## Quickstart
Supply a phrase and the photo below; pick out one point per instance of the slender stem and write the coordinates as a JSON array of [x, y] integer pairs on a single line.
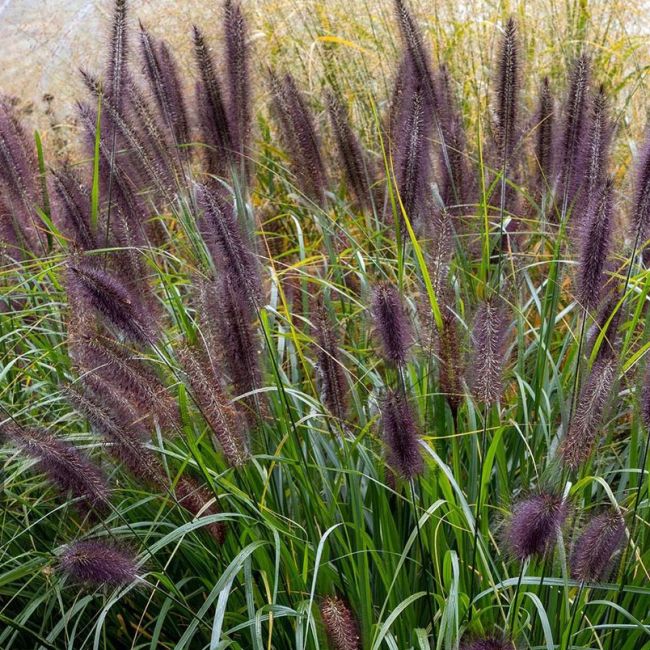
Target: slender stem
[[574, 611], [477, 517], [512, 612], [422, 553]]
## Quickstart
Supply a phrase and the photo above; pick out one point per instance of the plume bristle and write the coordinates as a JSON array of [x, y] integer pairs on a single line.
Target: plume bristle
[[401, 436], [391, 323], [97, 563], [340, 625]]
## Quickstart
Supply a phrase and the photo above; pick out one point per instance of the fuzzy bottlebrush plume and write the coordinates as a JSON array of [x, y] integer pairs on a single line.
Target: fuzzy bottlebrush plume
[[330, 371], [593, 551], [641, 203], [72, 208], [507, 95], [161, 72], [596, 239], [401, 436], [197, 500], [584, 427], [122, 378], [534, 523], [299, 134], [596, 148], [450, 367], [607, 321], [456, 182], [489, 340], [124, 442], [116, 70], [98, 290], [576, 119], [340, 625], [153, 165], [215, 406], [226, 241], [65, 466], [215, 125], [419, 57], [391, 323], [439, 251], [487, 643], [544, 137], [98, 564], [19, 185], [351, 153], [238, 73], [412, 152]]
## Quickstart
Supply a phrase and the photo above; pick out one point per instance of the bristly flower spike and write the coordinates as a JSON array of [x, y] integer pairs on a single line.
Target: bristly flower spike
[[340, 625], [507, 95], [534, 523], [401, 436], [594, 549], [391, 323], [97, 563], [489, 340]]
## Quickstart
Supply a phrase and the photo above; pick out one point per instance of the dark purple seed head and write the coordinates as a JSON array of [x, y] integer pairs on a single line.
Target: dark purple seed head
[[641, 205], [97, 563], [391, 323], [401, 436], [487, 643], [594, 549], [340, 625], [534, 523], [488, 355], [507, 93]]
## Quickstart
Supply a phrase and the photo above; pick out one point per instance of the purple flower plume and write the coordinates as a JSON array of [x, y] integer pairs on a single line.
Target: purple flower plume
[[596, 240], [641, 204], [98, 564], [215, 125], [65, 466], [584, 428], [401, 436], [351, 153], [391, 323], [487, 643], [507, 94], [488, 355], [330, 371], [545, 124], [238, 73], [534, 524], [104, 293], [299, 134], [117, 67], [593, 551]]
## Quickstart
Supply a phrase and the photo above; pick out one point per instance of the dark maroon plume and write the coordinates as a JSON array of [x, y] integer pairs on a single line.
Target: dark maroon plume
[[401, 436], [105, 294], [116, 69], [641, 205], [487, 643], [352, 156], [238, 73], [576, 120], [98, 564], [593, 551], [226, 241], [215, 125], [18, 180], [595, 245], [391, 323], [507, 94], [330, 371], [340, 625], [163, 78], [534, 524], [544, 138], [584, 428], [72, 208], [299, 134], [488, 355], [65, 466]]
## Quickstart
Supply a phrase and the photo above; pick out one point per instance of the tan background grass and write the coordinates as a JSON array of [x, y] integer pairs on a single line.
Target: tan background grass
[[46, 41]]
